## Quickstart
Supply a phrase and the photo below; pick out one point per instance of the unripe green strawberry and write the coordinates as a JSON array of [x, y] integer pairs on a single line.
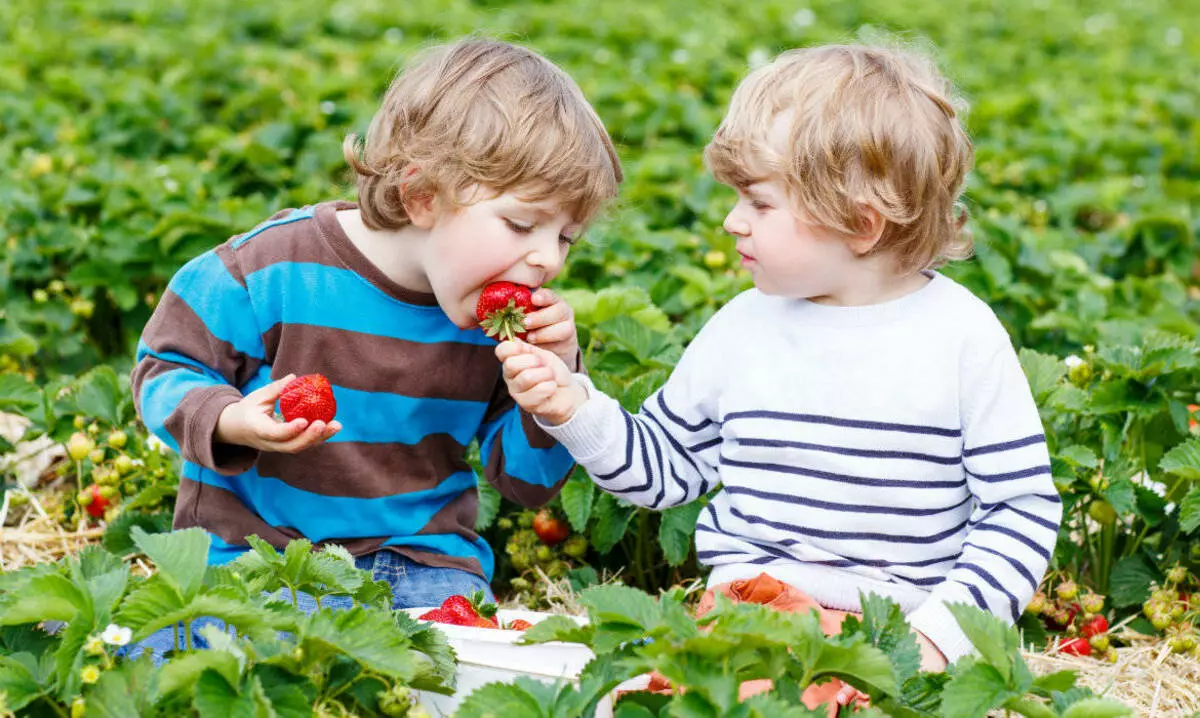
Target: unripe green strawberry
[[79, 446], [123, 464], [1066, 590], [576, 546], [96, 455], [1177, 574], [1092, 602], [1100, 642], [117, 439]]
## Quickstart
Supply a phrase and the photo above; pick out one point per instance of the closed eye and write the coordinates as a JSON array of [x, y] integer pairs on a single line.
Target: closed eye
[[519, 228]]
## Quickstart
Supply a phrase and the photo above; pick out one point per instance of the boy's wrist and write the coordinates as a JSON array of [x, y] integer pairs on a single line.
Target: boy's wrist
[[575, 395]]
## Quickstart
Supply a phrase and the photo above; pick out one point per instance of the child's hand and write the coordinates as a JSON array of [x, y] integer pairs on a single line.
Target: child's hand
[[540, 382], [251, 422], [553, 327]]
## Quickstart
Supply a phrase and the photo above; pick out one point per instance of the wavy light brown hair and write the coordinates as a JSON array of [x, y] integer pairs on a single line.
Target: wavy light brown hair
[[482, 112], [872, 126]]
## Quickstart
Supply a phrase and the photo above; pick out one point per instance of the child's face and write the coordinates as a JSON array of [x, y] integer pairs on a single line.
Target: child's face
[[502, 238], [786, 255]]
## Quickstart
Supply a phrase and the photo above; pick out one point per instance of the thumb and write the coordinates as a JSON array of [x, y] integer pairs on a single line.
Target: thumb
[[270, 393]]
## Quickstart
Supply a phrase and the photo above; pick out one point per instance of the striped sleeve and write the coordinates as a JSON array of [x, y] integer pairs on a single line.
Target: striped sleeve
[[521, 461], [201, 344], [665, 455], [1014, 526]]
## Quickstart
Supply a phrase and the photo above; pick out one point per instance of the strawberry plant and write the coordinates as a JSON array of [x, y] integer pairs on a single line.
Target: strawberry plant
[[274, 660]]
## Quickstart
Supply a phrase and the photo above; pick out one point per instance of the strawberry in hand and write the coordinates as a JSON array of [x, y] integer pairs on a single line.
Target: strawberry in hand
[[308, 397], [502, 308]]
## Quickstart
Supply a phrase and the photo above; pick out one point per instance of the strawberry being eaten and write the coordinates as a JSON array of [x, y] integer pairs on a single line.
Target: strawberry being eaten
[[309, 397], [502, 308]]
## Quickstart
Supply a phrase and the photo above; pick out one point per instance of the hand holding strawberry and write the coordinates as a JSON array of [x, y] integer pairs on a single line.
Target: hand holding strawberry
[[540, 382], [512, 311], [251, 422]]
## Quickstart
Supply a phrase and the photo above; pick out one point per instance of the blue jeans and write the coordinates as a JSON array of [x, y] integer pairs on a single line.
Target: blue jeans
[[413, 585]]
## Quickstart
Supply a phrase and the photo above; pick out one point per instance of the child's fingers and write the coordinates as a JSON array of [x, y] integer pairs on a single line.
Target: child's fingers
[[507, 349], [545, 297], [528, 379], [553, 314], [314, 434], [515, 365], [270, 392], [557, 332], [271, 430]]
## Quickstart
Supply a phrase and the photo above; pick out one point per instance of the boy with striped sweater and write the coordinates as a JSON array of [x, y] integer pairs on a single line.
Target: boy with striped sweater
[[866, 417], [483, 164]]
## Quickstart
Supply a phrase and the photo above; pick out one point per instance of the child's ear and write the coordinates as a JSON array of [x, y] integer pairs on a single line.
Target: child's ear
[[874, 224], [420, 210]]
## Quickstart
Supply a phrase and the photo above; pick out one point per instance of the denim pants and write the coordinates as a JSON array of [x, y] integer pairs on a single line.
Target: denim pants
[[413, 585]]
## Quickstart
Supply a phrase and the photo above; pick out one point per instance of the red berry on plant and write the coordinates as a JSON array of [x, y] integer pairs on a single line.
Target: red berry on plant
[[308, 397], [99, 503], [502, 308], [551, 530], [1075, 647], [1095, 627]]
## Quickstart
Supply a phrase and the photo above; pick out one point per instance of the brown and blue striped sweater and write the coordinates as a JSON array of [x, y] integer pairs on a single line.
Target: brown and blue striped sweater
[[294, 295]]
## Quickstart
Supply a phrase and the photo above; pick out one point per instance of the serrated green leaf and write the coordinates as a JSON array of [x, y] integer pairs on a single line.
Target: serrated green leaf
[[1097, 708], [996, 641], [1183, 460], [1043, 371], [1130, 580], [612, 519], [1189, 511], [183, 673], [98, 393], [156, 604], [217, 698], [974, 692], [621, 604], [502, 699], [1121, 495], [1058, 681], [18, 394], [130, 689], [49, 597], [118, 538], [1080, 455], [18, 684], [676, 528], [181, 557], [369, 637], [557, 628], [489, 506], [578, 495]]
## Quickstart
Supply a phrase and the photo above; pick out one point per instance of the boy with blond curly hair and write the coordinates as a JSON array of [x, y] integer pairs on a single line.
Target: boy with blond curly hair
[[866, 416], [483, 164]]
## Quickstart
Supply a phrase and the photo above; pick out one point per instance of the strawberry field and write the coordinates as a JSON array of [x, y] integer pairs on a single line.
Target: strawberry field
[[136, 134]]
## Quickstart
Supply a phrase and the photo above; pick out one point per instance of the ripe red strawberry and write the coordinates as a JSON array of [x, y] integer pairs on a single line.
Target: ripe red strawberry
[[98, 504], [439, 615], [482, 622], [501, 309], [309, 397], [461, 609], [1075, 647], [518, 624], [551, 530], [1094, 627]]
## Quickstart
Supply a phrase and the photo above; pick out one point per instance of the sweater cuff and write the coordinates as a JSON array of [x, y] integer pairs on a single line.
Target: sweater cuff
[[200, 445], [934, 619], [593, 431]]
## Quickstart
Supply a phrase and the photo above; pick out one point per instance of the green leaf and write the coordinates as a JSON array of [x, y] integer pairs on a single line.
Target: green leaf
[[1189, 511], [861, 664], [612, 518], [1059, 681], [156, 604], [369, 637], [183, 673], [1120, 494], [642, 341], [1129, 582], [996, 641], [128, 690], [974, 692], [621, 604], [510, 700], [578, 495], [50, 597], [1183, 460], [118, 537], [18, 394], [558, 628], [217, 698], [1080, 455], [1097, 708], [181, 557], [489, 506], [98, 393], [18, 684], [675, 530], [884, 626], [1043, 371]]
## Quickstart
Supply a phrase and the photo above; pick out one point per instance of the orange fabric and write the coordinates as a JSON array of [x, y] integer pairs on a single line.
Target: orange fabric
[[779, 596]]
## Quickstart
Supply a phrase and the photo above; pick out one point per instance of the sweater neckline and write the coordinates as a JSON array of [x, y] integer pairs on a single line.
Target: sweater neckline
[[331, 230], [869, 314]]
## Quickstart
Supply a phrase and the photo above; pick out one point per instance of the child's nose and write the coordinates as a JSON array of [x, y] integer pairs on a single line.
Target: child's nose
[[735, 225]]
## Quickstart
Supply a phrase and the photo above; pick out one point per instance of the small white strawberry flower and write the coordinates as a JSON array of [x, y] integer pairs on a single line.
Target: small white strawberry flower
[[115, 635], [156, 444], [1072, 361]]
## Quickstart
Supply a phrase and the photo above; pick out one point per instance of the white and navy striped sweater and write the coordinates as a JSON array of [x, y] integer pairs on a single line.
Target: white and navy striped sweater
[[893, 448]]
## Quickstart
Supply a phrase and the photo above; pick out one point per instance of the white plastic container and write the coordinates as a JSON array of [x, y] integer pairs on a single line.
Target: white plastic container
[[489, 655]]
